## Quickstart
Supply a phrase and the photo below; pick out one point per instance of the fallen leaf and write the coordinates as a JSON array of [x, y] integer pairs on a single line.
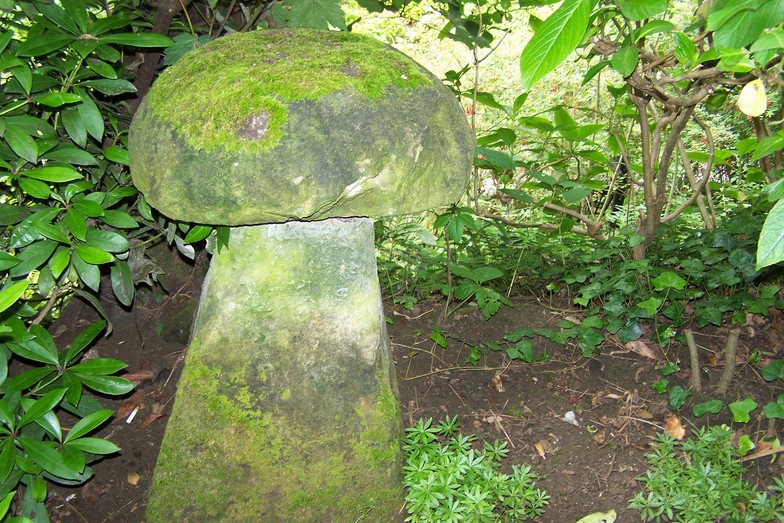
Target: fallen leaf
[[674, 428], [641, 348], [133, 478], [644, 414], [600, 438], [149, 418], [540, 449], [134, 402], [496, 381], [140, 377]]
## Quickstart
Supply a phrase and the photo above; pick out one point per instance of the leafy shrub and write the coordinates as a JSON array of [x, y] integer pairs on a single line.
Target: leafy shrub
[[701, 479], [448, 480]]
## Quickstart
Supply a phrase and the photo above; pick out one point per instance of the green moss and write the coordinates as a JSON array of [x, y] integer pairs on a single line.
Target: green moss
[[232, 94]]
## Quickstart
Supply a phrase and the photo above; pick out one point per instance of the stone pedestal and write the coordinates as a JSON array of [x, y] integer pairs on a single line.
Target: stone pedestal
[[286, 409]]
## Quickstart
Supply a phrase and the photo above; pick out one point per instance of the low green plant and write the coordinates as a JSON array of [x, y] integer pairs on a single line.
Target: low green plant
[[34, 445], [448, 480], [701, 479]]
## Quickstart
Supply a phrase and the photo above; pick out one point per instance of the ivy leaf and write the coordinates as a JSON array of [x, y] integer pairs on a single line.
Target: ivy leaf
[[316, 14], [668, 280], [554, 40], [773, 370], [678, 397], [712, 406], [741, 410]]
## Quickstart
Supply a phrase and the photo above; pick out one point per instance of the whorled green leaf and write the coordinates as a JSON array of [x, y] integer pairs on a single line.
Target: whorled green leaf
[[112, 385], [41, 406], [53, 174], [110, 87], [13, 292], [32, 257], [44, 43], [56, 99], [74, 126], [107, 241], [119, 219], [96, 446], [21, 143], [122, 283], [45, 455], [99, 366], [70, 154], [554, 40], [83, 340], [34, 188], [89, 273], [90, 115], [770, 248], [116, 154], [137, 39]]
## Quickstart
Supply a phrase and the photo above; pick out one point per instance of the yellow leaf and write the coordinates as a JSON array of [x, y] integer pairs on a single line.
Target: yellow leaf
[[752, 100]]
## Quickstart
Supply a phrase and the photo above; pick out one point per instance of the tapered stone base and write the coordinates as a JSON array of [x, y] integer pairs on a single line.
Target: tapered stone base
[[286, 409]]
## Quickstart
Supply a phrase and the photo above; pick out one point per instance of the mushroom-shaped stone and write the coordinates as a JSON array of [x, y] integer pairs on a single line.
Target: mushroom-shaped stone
[[286, 409]]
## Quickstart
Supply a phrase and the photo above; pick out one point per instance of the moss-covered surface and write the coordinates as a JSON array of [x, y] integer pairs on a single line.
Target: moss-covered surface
[[286, 410], [298, 124]]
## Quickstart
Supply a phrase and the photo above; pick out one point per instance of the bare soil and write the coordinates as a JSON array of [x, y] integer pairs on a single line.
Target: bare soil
[[587, 467]]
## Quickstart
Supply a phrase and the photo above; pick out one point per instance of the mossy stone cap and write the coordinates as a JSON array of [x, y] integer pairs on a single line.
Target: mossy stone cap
[[298, 124]]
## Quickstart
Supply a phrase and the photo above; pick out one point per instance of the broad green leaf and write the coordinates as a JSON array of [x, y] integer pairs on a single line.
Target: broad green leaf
[[102, 68], [22, 381], [52, 232], [73, 155], [88, 424], [116, 154], [53, 174], [316, 14], [7, 460], [119, 219], [483, 274], [44, 44], [685, 50], [497, 159], [21, 143], [668, 280], [653, 27], [107, 240], [10, 294], [77, 10], [32, 350], [56, 99], [775, 410], [90, 115], [711, 406], [93, 255], [122, 283], [554, 40], [57, 14], [768, 145], [77, 223], [59, 261], [678, 397], [741, 410], [94, 446], [773, 370], [48, 458], [74, 126], [741, 22], [111, 385], [137, 39], [41, 406], [35, 188], [197, 233], [770, 248], [7, 261], [89, 274], [83, 339], [89, 208], [575, 194], [99, 366], [110, 87], [636, 10], [625, 60], [33, 257]]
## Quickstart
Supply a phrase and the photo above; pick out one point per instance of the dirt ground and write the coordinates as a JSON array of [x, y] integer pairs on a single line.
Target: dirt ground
[[584, 468]]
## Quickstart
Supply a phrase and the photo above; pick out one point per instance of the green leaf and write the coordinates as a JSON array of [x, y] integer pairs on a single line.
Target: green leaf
[[625, 60], [10, 294], [678, 397], [741, 410], [21, 143], [523, 350], [685, 50], [116, 154], [77, 223], [88, 424], [773, 370], [111, 385], [26, 379], [44, 44], [316, 14], [653, 27], [34, 188], [69, 154], [7, 261], [768, 145], [775, 410], [7, 460], [712, 407], [497, 159], [90, 115], [99, 366], [119, 219], [83, 339], [110, 87], [738, 23], [32, 350], [107, 241], [483, 274], [137, 39], [89, 208], [554, 40], [48, 458], [52, 232], [60, 261], [41, 406], [122, 283], [770, 248], [56, 99], [53, 174], [89, 274], [33, 257], [636, 10], [74, 126], [94, 446], [668, 280]]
